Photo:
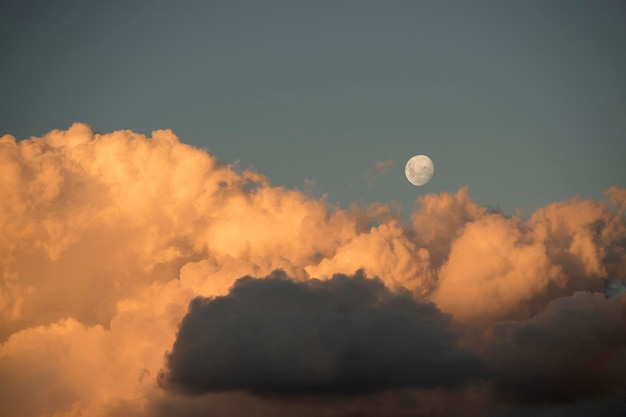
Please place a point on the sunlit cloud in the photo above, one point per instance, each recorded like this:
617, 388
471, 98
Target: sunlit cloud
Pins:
122, 257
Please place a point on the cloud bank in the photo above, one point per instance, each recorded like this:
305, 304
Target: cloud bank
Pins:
122, 257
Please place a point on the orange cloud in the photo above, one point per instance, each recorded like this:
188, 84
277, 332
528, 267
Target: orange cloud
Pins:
106, 239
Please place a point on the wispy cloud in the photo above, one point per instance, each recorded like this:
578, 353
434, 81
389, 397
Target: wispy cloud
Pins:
379, 169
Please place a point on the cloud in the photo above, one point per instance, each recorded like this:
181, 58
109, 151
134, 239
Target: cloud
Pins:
95, 218
345, 335
491, 260
521, 266
440, 218
106, 239
575, 349
379, 169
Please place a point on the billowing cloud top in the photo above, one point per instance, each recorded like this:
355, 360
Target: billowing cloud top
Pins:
107, 239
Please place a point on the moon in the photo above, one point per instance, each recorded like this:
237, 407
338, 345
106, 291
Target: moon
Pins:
419, 170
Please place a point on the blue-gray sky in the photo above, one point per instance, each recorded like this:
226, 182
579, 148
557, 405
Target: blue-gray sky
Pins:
523, 102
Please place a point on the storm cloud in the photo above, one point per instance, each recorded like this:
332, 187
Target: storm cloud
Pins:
344, 335
575, 349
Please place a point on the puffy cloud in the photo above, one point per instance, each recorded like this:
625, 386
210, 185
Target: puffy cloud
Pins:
385, 251
49, 365
345, 335
499, 268
93, 218
106, 238
439, 218
491, 261
69, 368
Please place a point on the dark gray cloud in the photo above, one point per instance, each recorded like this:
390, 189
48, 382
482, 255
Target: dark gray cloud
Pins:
348, 335
574, 350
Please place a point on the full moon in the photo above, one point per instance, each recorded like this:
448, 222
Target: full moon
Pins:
419, 170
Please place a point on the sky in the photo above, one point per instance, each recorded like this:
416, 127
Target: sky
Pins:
521, 101
203, 209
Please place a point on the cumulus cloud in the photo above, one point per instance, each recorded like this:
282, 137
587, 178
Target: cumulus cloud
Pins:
107, 238
521, 266
344, 335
